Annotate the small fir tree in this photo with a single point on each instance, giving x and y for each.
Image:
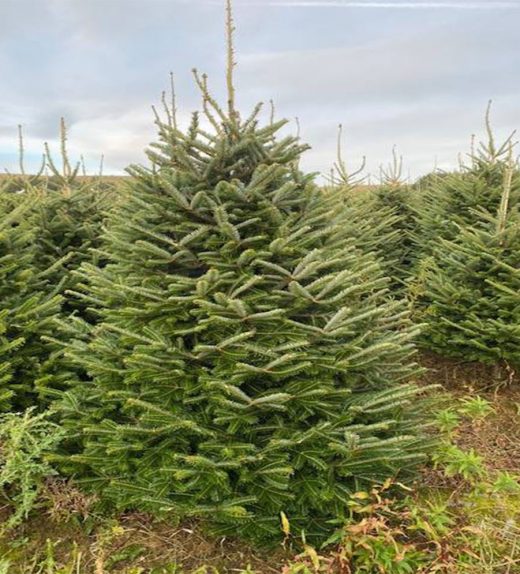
(28, 305)
(52, 223)
(380, 216)
(246, 361)
(450, 200)
(395, 197)
(470, 288)
(69, 208)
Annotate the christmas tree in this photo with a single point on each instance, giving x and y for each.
(453, 199)
(69, 208)
(52, 224)
(380, 216)
(470, 288)
(375, 227)
(395, 197)
(28, 304)
(245, 361)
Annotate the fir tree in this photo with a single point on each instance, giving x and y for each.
(380, 217)
(51, 223)
(28, 305)
(69, 208)
(356, 204)
(395, 197)
(453, 199)
(469, 290)
(245, 361)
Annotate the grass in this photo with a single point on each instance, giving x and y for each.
(461, 517)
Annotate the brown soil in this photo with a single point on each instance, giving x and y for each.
(190, 546)
(134, 540)
(497, 437)
(466, 377)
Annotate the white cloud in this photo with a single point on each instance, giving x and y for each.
(417, 78)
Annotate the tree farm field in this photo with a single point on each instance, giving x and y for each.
(221, 361)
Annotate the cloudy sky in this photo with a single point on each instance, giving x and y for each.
(412, 73)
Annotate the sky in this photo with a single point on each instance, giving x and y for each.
(415, 74)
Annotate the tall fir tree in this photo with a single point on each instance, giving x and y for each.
(246, 360)
(469, 290)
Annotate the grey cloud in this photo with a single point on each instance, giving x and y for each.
(416, 78)
(426, 64)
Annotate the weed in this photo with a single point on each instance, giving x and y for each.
(476, 408)
(25, 439)
(456, 461)
(447, 421)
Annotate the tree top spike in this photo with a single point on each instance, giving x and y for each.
(173, 96)
(230, 30)
(393, 173)
(346, 178)
(489, 131)
(67, 170)
(504, 201)
(21, 149)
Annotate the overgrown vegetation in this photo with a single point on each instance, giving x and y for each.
(25, 439)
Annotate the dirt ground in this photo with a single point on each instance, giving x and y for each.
(497, 437)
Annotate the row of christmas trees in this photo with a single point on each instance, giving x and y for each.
(48, 226)
(456, 254)
(226, 339)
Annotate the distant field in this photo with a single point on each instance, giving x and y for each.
(107, 178)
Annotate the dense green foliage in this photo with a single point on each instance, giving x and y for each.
(245, 360)
(67, 218)
(233, 342)
(451, 200)
(470, 528)
(27, 307)
(48, 227)
(395, 197)
(467, 289)
(470, 299)
(380, 218)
